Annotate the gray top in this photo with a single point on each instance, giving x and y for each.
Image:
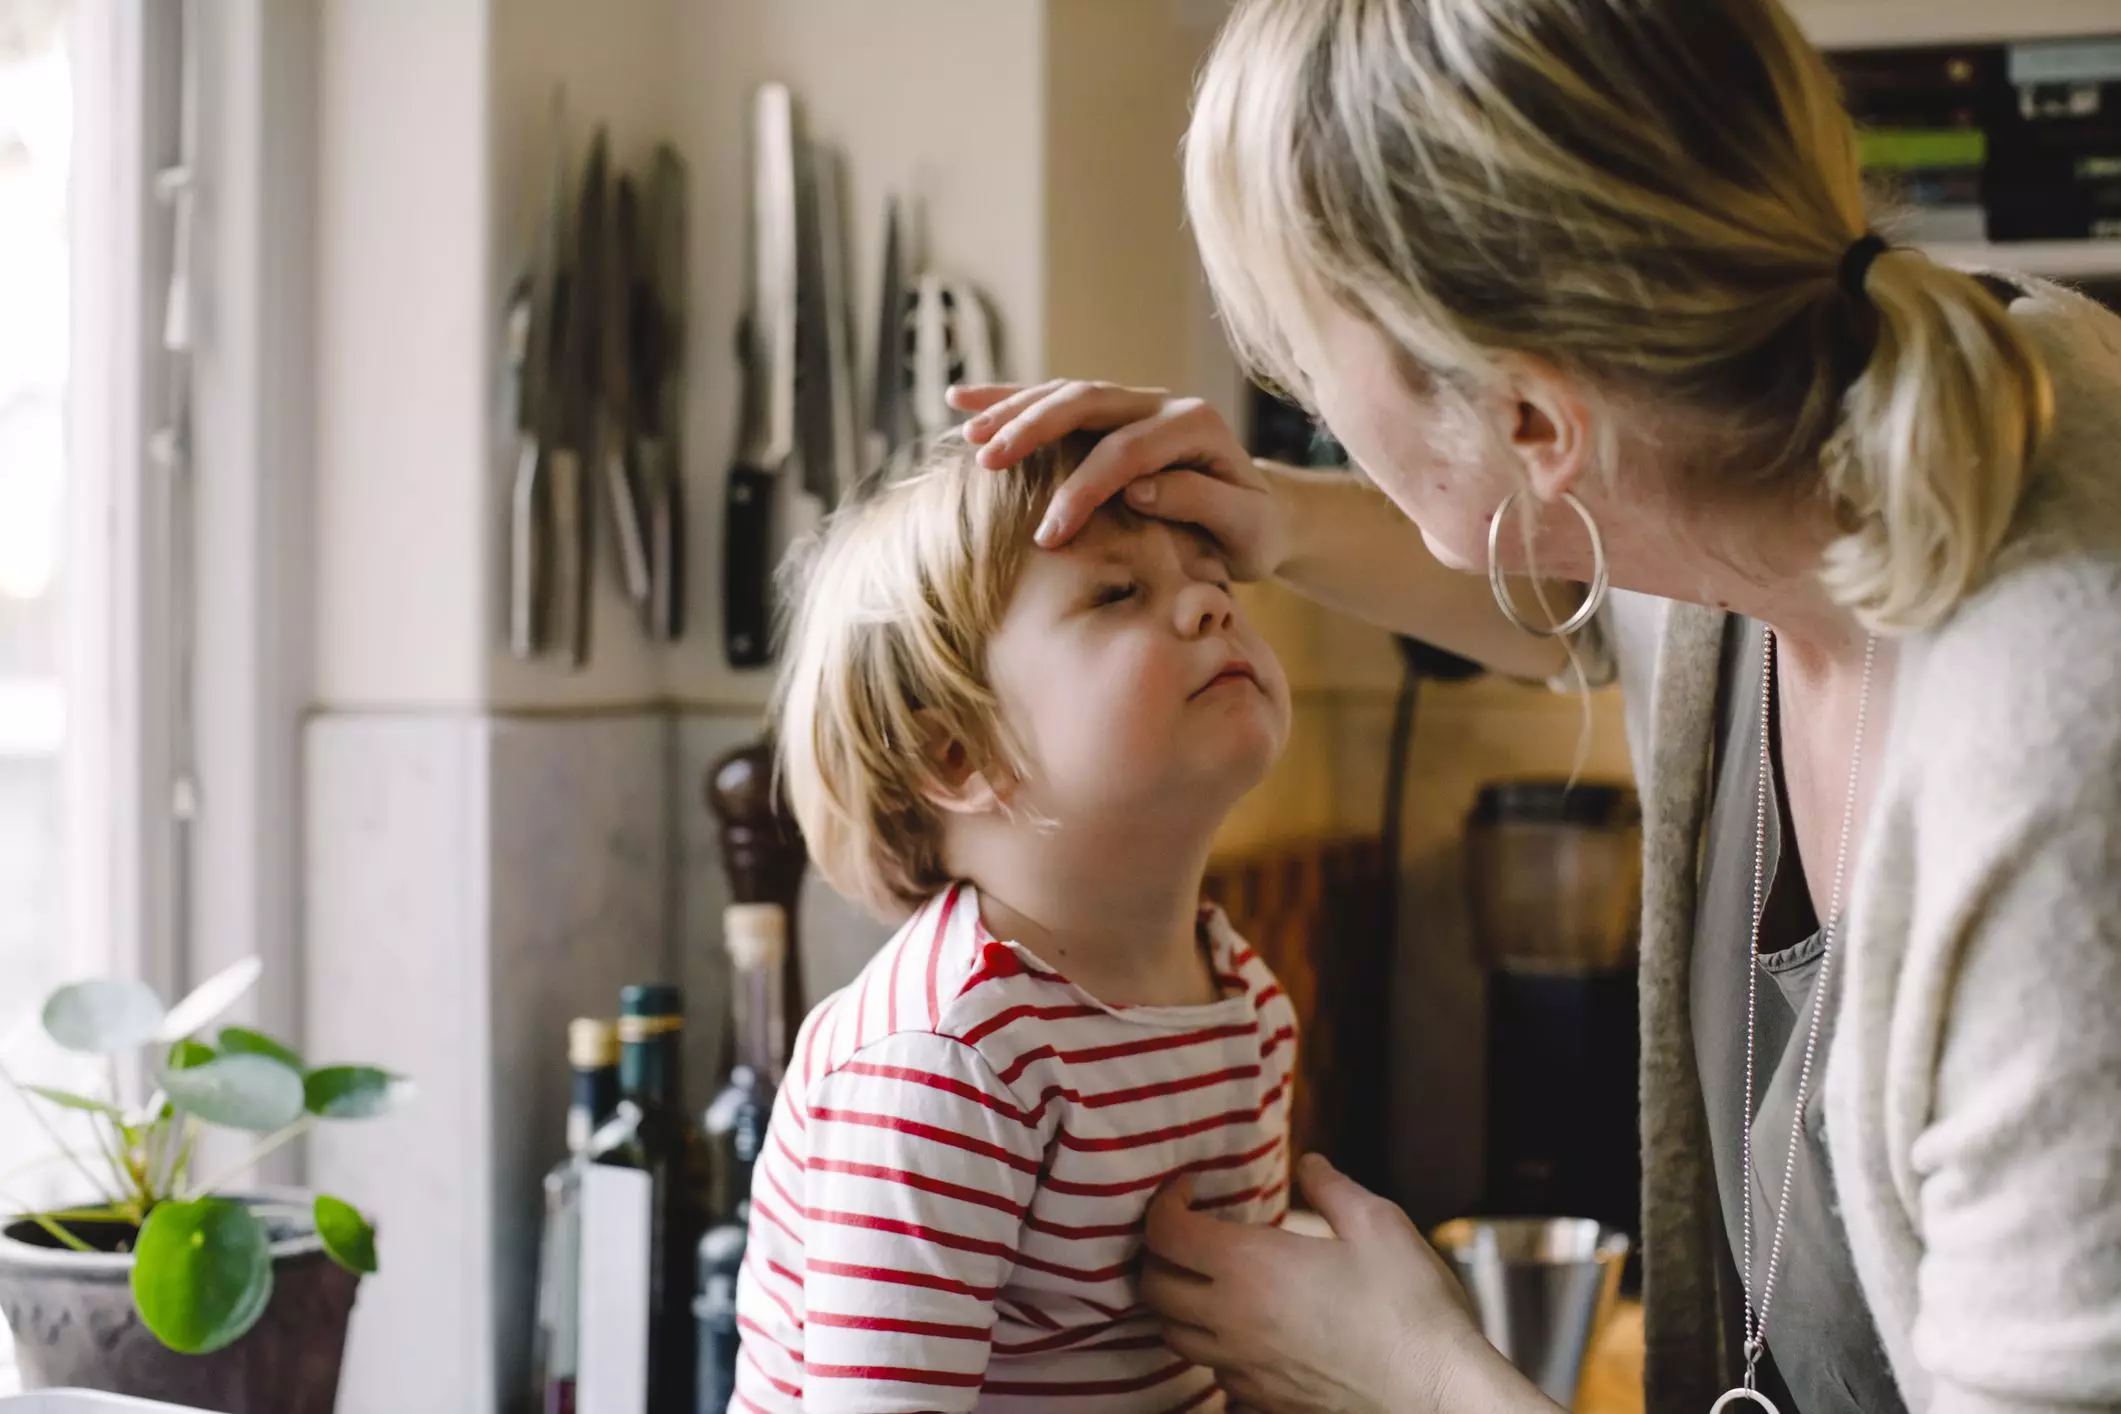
(1824, 1356)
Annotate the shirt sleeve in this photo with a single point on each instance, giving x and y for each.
(922, 1168)
(2016, 1167)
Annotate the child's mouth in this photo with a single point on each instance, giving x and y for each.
(1233, 673)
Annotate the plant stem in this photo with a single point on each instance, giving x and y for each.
(154, 1141)
(44, 1220)
(288, 1135)
(87, 1215)
(53, 1135)
(112, 1155)
(174, 1179)
(59, 1232)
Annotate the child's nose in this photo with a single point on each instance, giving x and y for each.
(1204, 609)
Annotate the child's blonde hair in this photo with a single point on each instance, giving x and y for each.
(1655, 194)
(893, 603)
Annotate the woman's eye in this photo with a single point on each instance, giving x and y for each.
(1108, 594)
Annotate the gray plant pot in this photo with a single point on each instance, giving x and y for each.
(75, 1328)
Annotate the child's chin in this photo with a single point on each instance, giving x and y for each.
(1242, 761)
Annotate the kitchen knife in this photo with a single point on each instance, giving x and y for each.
(887, 415)
(767, 440)
(824, 405)
(661, 335)
(575, 445)
(620, 409)
(533, 348)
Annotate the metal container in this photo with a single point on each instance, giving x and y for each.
(1542, 1289)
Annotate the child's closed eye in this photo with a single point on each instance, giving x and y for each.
(1115, 593)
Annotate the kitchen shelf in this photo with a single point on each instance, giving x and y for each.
(1866, 24)
(2056, 260)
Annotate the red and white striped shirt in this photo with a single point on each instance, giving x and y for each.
(948, 1212)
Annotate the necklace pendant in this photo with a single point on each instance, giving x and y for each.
(1742, 1395)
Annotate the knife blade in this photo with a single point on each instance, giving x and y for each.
(575, 446)
(825, 435)
(887, 414)
(768, 438)
(661, 337)
(839, 342)
(620, 409)
(533, 345)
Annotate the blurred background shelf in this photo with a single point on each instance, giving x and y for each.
(2056, 260)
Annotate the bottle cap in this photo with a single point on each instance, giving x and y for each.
(756, 935)
(592, 1043)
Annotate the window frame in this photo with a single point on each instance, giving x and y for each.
(193, 600)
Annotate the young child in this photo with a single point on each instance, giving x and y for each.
(1031, 751)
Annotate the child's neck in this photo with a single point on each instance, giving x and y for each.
(1119, 916)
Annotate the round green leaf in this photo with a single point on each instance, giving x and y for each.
(100, 1016)
(209, 999)
(241, 1040)
(202, 1273)
(67, 1098)
(348, 1239)
(352, 1091)
(185, 1054)
(255, 1093)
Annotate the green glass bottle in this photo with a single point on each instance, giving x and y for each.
(643, 1210)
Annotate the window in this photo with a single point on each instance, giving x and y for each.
(41, 939)
(153, 513)
(153, 590)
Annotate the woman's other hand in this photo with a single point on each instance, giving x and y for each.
(1173, 458)
(1370, 1320)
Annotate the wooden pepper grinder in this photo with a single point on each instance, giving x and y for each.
(762, 850)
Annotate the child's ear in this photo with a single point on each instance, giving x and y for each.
(958, 784)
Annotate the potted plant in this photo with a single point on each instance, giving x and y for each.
(161, 1283)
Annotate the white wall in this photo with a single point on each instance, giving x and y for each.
(938, 101)
(402, 313)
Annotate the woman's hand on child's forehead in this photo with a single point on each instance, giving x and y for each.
(1118, 534)
(1174, 459)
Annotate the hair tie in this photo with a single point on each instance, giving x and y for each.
(1856, 263)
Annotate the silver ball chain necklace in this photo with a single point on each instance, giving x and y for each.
(1756, 1314)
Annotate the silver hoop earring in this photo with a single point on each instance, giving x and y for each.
(1499, 583)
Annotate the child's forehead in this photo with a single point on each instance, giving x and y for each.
(1117, 529)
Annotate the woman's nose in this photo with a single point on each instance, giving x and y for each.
(1204, 609)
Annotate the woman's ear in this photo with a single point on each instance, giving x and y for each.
(1550, 425)
(957, 783)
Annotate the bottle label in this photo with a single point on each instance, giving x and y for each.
(617, 1222)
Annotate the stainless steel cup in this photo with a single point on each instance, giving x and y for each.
(1541, 1289)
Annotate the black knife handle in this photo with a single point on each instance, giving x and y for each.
(747, 568)
(671, 612)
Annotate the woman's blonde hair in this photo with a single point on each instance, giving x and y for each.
(893, 603)
(1655, 195)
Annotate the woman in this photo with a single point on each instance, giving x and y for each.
(1586, 289)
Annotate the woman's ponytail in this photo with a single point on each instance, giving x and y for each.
(1932, 448)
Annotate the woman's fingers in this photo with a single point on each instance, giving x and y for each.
(1177, 1237)
(1220, 507)
(1199, 1346)
(1340, 1200)
(977, 397)
(1016, 427)
(1182, 432)
(1014, 401)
